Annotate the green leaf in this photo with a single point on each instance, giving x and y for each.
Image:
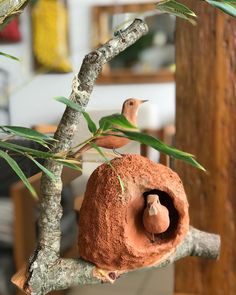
(9, 56)
(159, 145)
(118, 120)
(45, 170)
(91, 125)
(28, 133)
(178, 9)
(38, 154)
(100, 151)
(75, 106)
(21, 149)
(70, 164)
(227, 6)
(120, 182)
(18, 171)
(28, 152)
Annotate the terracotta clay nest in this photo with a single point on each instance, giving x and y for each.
(111, 230)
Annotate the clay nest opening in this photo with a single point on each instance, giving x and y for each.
(167, 201)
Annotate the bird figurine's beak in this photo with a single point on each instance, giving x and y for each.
(144, 100)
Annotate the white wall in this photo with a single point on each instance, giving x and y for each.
(31, 96)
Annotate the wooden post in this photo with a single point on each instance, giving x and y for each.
(206, 127)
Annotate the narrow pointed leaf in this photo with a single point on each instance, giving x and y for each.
(100, 151)
(72, 161)
(13, 164)
(178, 9)
(229, 7)
(21, 149)
(229, 1)
(45, 170)
(120, 182)
(91, 125)
(118, 120)
(150, 141)
(75, 106)
(38, 154)
(9, 56)
(193, 162)
(160, 146)
(28, 133)
(70, 164)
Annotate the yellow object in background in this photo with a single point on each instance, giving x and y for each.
(50, 35)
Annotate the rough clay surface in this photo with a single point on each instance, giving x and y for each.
(111, 232)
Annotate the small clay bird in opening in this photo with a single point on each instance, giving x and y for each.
(155, 217)
(130, 111)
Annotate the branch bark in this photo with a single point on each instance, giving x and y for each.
(47, 271)
(65, 273)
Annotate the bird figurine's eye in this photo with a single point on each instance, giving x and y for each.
(131, 103)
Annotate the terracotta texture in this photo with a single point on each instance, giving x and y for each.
(111, 231)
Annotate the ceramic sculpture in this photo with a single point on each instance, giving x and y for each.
(111, 230)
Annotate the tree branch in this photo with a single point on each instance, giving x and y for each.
(65, 273)
(77, 272)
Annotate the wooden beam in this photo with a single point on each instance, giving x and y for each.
(206, 127)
